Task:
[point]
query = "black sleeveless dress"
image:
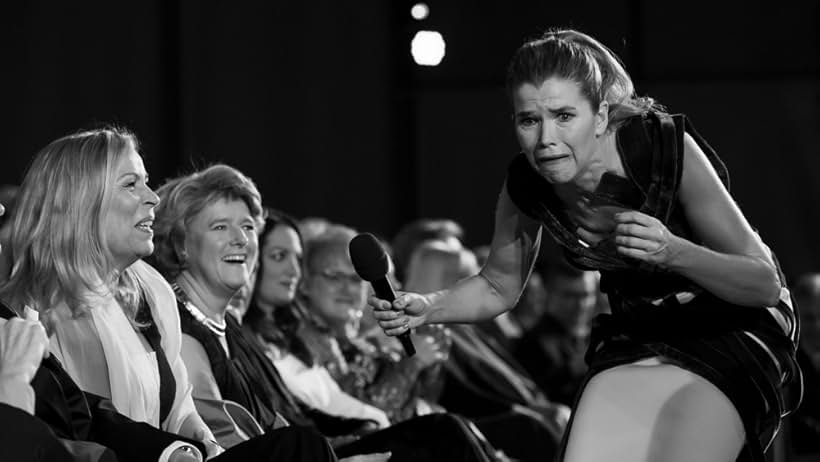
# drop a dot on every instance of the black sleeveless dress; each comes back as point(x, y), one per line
point(659, 313)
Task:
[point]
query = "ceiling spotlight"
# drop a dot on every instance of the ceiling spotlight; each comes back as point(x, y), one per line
point(427, 48)
point(420, 11)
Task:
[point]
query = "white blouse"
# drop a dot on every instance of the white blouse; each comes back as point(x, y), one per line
point(314, 386)
point(106, 356)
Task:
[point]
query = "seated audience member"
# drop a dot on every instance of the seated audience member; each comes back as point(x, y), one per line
point(424, 229)
point(309, 227)
point(83, 222)
point(273, 322)
point(207, 244)
point(482, 376)
point(805, 422)
point(553, 350)
point(334, 297)
point(69, 425)
point(23, 344)
point(374, 369)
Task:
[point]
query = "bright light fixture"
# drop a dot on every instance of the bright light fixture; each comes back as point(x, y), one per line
point(427, 48)
point(420, 11)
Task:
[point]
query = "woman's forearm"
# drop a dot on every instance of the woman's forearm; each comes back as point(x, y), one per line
point(476, 298)
point(740, 279)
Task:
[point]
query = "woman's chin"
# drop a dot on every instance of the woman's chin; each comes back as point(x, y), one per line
point(283, 299)
point(556, 177)
point(123, 262)
point(145, 250)
point(233, 287)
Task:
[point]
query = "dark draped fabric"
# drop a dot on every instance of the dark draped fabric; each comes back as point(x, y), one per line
point(293, 444)
point(554, 357)
point(25, 438)
point(167, 382)
point(805, 423)
point(249, 378)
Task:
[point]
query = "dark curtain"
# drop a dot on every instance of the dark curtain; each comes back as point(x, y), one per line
point(320, 103)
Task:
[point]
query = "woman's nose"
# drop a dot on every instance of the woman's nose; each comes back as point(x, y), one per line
point(547, 134)
point(294, 268)
point(151, 197)
point(239, 237)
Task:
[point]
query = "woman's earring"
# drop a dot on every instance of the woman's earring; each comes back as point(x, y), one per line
point(182, 256)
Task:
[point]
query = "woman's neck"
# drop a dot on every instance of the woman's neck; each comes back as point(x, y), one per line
point(604, 159)
point(265, 307)
point(343, 329)
point(336, 327)
point(211, 304)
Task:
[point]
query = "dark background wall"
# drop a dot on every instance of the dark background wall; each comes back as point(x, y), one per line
point(321, 104)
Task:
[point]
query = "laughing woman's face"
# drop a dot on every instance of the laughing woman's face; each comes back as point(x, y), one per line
point(221, 244)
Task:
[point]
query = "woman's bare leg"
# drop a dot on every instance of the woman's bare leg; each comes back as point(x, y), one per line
point(653, 412)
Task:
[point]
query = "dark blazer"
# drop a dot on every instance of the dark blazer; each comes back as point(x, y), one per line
point(75, 415)
point(26, 438)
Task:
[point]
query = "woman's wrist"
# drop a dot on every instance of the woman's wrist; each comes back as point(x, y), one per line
point(15, 391)
point(432, 311)
point(13, 375)
point(680, 253)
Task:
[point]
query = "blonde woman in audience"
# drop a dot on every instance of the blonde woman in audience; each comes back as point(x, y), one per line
point(84, 222)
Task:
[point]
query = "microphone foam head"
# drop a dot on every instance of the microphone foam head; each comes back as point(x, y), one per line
point(369, 258)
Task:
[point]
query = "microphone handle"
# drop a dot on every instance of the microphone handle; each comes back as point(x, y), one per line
point(384, 290)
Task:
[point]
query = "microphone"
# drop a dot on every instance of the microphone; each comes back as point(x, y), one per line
point(372, 264)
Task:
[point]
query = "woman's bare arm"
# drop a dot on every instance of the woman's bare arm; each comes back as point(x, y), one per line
point(732, 262)
point(492, 291)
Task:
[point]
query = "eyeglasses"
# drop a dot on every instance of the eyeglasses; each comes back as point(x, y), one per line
point(339, 278)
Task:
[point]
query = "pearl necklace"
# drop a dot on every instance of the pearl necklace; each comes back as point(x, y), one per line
point(215, 327)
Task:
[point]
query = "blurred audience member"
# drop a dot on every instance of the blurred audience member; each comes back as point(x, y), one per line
point(805, 422)
point(482, 380)
point(275, 317)
point(311, 227)
point(481, 371)
point(553, 349)
point(423, 229)
point(276, 323)
point(373, 368)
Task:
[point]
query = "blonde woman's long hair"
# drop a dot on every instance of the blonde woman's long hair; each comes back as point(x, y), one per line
point(57, 246)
